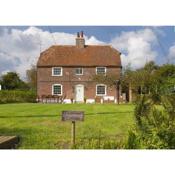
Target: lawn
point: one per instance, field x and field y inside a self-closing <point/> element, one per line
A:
<point x="40" y="127"/>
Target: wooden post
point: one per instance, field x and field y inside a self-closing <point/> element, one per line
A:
<point x="73" y="133"/>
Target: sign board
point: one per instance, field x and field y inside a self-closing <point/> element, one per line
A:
<point x="73" y="115"/>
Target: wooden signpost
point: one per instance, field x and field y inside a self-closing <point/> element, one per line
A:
<point x="73" y="116"/>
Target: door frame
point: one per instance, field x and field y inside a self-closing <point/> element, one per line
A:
<point x="79" y="85"/>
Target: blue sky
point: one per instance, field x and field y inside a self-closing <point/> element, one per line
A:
<point x="19" y="45"/>
<point x="106" y="33"/>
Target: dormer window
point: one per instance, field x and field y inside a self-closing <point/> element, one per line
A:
<point x="101" y="70"/>
<point x="57" y="71"/>
<point x="79" y="71"/>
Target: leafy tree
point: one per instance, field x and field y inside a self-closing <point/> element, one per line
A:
<point x="151" y="66"/>
<point x="151" y="79"/>
<point x="165" y="79"/>
<point x="109" y="79"/>
<point x="11" y="81"/>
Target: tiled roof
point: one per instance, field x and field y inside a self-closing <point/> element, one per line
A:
<point x="90" y="55"/>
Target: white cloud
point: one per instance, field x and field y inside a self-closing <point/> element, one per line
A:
<point x="171" y="54"/>
<point x="19" y="49"/>
<point x="136" y="47"/>
<point x="93" y="40"/>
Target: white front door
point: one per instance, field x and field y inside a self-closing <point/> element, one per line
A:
<point x="79" y="93"/>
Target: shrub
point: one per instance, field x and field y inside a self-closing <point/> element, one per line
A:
<point x="17" y="96"/>
<point x="133" y="140"/>
<point x="154" y="124"/>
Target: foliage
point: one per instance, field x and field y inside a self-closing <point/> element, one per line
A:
<point x="133" y="140"/>
<point x="13" y="96"/>
<point x="150" y="79"/>
<point x="165" y="79"/>
<point x="155" y="125"/>
<point x="155" y="107"/>
<point x="109" y="79"/>
<point x="32" y="77"/>
<point x="11" y="81"/>
<point x="142" y="109"/>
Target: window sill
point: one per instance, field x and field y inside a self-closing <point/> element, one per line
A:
<point x="57" y="75"/>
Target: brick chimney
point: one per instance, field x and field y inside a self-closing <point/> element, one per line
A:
<point x="80" y="41"/>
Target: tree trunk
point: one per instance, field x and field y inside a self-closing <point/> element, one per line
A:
<point x="130" y="92"/>
<point x="141" y="90"/>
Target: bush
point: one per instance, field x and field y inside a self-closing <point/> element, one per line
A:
<point x="17" y="96"/>
<point x="133" y="140"/>
<point x="155" y="125"/>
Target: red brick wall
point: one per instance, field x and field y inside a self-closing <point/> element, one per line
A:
<point x="45" y="80"/>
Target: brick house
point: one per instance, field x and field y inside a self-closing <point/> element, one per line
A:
<point x="66" y="71"/>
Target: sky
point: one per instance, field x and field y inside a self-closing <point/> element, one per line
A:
<point x="20" y="46"/>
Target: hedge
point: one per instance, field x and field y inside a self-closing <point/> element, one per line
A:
<point x="17" y="96"/>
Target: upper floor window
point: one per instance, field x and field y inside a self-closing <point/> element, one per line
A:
<point x="100" y="70"/>
<point x="57" y="71"/>
<point x="101" y="89"/>
<point x="57" y="89"/>
<point x="79" y="71"/>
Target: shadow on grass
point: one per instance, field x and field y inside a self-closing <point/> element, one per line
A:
<point x="15" y="131"/>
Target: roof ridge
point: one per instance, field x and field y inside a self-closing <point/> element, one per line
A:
<point x="85" y="45"/>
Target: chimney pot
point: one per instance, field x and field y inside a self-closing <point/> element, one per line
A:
<point x="80" y="41"/>
<point x="81" y="34"/>
<point x="78" y="34"/>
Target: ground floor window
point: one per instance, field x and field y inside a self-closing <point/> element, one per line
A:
<point x="57" y="89"/>
<point x="101" y="89"/>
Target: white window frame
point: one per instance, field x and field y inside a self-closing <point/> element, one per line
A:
<point x="61" y="89"/>
<point x="105" y="89"/>
<point x="78" y="68"/>
<point x="57" y="75"/>
<point x="100" y="67"/>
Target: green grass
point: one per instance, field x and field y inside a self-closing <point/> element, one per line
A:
<point x="40" y="127"/>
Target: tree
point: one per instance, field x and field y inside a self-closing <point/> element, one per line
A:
<point x="11" y="81"/>
<point x="165" y="78"/>
<point x="139" y="81"/>
<point x="32" y="77"/>
<point x="151" y="66"/>
<point x="109" y="79"/>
